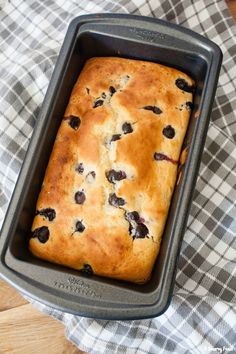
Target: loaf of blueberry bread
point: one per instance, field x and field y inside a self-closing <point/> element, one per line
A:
<point x="110" y="178"/>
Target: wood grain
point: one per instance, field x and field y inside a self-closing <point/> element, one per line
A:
<point x="9" y="297"/>
<point x="232" y="7"/>
<point x="26" y="330"/>
<point x="23" y="329"/>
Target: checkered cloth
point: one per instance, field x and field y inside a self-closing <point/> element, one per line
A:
<point x="202" y="315"/>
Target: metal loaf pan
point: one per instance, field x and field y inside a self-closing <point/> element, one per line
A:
<point x="65" y="289"/>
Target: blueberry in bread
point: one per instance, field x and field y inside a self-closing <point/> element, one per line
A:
<point x="112" y="171"/>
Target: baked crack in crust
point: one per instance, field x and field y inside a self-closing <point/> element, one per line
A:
<point x="112" y="171"/>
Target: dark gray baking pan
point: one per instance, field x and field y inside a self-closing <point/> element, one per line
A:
<point x="68" y="290"/>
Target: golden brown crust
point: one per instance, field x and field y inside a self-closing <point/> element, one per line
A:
<point x="125" y="87"/>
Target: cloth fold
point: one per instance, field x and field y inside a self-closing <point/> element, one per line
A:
<point x="202" y="315"/>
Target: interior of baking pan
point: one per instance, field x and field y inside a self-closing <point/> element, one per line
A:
<point x="190" y="58"/>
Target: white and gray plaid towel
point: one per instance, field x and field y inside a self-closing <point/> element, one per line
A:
<point x="202" y="315"/>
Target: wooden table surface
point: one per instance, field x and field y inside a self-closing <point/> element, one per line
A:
<point x="232" y="7"/>
<point x="25" y="330"/>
